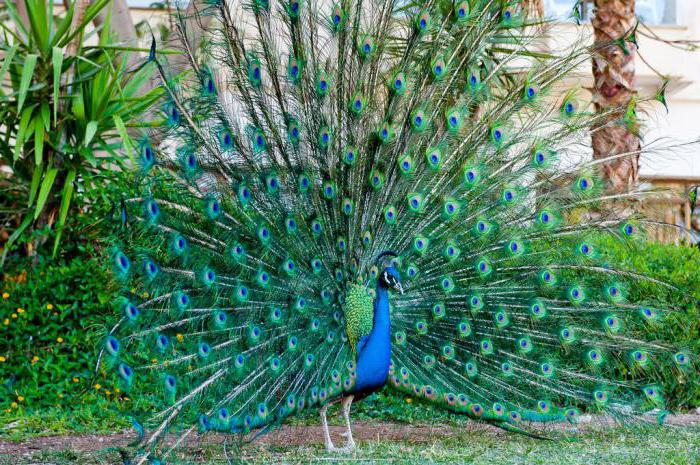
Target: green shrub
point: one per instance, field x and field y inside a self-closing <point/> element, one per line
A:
<point x="675" y="266"/>
<point x="680" y="325"/>
<point x="53" y="316"/>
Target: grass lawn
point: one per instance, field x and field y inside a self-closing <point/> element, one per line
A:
<point x="92" y="431"/>
<point x="395" y="443"/>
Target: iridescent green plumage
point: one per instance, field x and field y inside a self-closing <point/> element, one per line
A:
<point x="359" y="313"/>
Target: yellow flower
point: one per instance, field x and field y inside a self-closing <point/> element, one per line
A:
<point x="98" y="387"/>
<point x="8" y="410"/>
<point x="59" y="340"/>
<point x="35" y="359"/>
<point x="5" y="295"/>
<point x="14" y="315"/>
<point x="20" y="399"/>
<point x="49" y="307"/>
<point x="108" y="392"/>
<point x="75" y="380"/>
<point x="20" y="310"/>
<point x="179" y="337"/>
<point x="409" y="400"/>
<point x="126" y="399"/>
<point x="116" y="390"/>
<point x="144" y="295"/>
<point x="14" y="405"/>
<point x="60" y="396"/>
<point x="2" y="359"/>
<point x="154" y="361"/>
<point x="6" y="321"/>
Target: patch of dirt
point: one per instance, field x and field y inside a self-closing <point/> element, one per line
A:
<point x="307" y="435"/>
<point x="361" y="431"/>
<point x="285" y="436"/>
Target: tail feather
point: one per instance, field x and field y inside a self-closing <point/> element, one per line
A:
<point x="309" y="138"/>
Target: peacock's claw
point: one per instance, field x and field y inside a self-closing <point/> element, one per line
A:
<point x="347" y="449"/>
<point x="349" y="441"/>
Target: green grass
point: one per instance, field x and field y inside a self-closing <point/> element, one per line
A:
<point x="95" y="414"/>
<point x="600" y="447"/>
<point x="655" y="445"/>
<point x="464" y="444"/>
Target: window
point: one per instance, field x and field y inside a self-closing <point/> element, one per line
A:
<point x="649" y="11"/>
<point x="563" y="9"/>
<point x="657" y="11"/>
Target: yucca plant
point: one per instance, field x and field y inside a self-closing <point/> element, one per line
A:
<point x="65" y="108"/>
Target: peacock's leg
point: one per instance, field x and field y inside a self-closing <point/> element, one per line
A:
<point x="326" y="433"/>
<point x="350" y="444"/>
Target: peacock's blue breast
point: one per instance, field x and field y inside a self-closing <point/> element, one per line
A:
<point x="373" y="365"/>
<point x="374" y="352"/>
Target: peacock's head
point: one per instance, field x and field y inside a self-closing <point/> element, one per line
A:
<point x="389" y="278"/>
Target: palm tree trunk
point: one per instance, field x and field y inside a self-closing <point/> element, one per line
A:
<point x="613" y="74"/>
<point x="534" y="8"/>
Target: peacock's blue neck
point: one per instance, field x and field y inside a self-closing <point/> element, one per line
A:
<point x="374" y="357"/>
<point x="382" y="323"/>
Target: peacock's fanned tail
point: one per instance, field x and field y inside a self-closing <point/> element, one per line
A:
<point x="304" y="139"/>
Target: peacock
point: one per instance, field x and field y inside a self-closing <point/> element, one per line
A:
<point x="343" y="196"/>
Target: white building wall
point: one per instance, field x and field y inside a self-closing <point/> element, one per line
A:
<point x="682" y="122"/>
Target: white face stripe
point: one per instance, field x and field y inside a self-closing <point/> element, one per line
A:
<point x="389" y="279"/>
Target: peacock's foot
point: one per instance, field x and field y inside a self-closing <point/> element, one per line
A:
<point x="347" y="434"/>
<point x="347" y="449"/>
<point x="326" y="433"/>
